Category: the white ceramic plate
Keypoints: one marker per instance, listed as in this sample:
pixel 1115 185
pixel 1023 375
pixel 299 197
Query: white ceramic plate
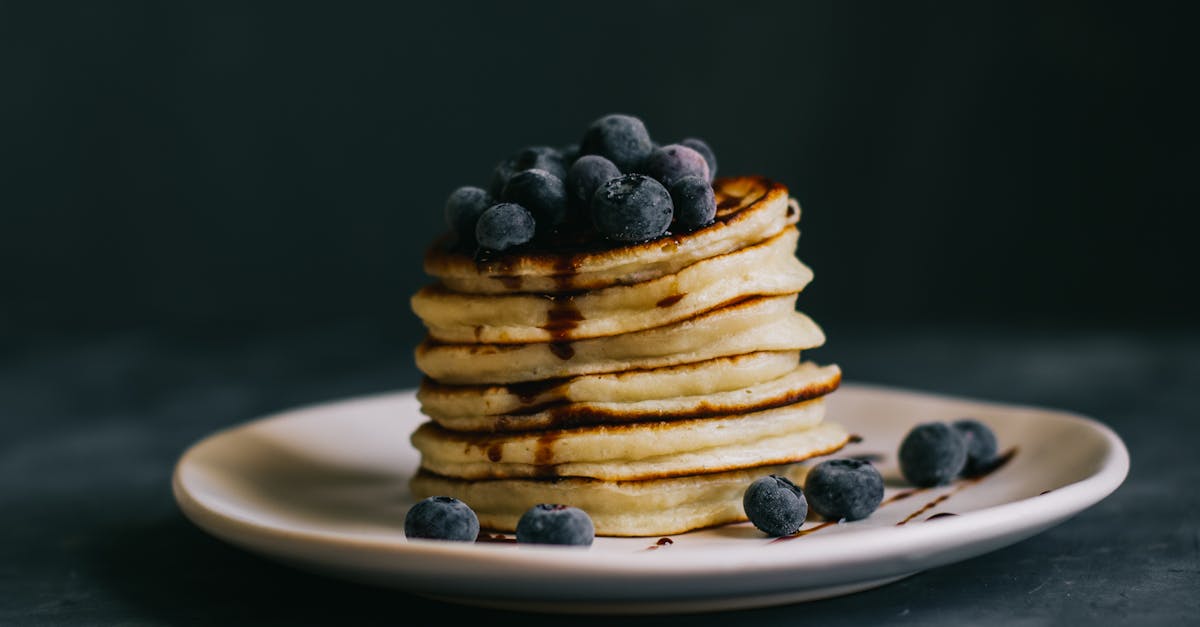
pixel 324 489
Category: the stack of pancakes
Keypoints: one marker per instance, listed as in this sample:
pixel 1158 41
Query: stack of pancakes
pixel 647 384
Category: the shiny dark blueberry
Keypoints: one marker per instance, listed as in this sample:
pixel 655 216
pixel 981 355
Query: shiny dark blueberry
pixel 555 524
pixel 844 489
pixel 701 147
pixel 672 162
pixel 504 226
pixel 542 193
pixel 586 174
pixel 775 505
pixel 622 139
pixel 532 157
pixel 632 208
pixel 441 518
pixel 462 210
pixel 932 454
pixel 695 203
pixel 981 446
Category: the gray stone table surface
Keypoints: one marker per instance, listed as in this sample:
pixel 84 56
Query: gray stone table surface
pixel 91 428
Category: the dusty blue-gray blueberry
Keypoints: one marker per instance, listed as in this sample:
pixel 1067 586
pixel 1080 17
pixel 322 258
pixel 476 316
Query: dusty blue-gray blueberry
pixel 631 208
pixel 844 489
pixel 441 518
pixel 622 139
pixel 775 505
pixel 981 445
pixel 462 210
pixel 504 226
pixel 695 203
pixel 710 157
pixel 552 523
pixel 669 163
pixel 587 174
pixel 541 192
pixel 932 454
pixel 545 158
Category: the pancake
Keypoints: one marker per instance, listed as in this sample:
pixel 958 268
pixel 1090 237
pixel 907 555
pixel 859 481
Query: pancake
pixel 655 507
pixel 767 268
pixel 805 381
pixel 758 324
pixel 706 377
pixel 634 451
pixel 749 210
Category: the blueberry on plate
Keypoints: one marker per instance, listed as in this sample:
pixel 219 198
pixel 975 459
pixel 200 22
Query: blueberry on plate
pixel 672 162
pixel 632 208
pixel 462 210
pixel 775 505
pixel 700 146
pixel 695 203
pixel 586 174
pixel 545 158
pixel 932 454
pixel 504 226
pixel 622 139
pixel 981 446
pixel 542 193
pixel 844 489
pixel 441 518
pixel 549 523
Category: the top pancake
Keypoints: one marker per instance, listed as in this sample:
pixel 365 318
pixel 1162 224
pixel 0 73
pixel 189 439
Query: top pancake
pixel 768 268
pixel 749 210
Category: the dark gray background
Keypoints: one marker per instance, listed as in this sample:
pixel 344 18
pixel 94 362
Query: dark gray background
pixel 213 211
pixel 196 166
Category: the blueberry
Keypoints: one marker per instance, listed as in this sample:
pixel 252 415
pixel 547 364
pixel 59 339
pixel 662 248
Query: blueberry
pixel 709 156
pixel 981 445
pixel 542 193
pixel 462 210
pixel 674 161
pixel 632 208
pixel 441 518
pixel 775 505
pixel 932 454
pixel 849 489
pixel 555 524
pixel 620 138
pixel 504 226
pixel 587 174
pixel 695 203
pixel 532 157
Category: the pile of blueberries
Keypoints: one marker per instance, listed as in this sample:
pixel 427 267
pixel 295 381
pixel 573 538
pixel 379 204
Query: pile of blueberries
pixel 616 183
pixel 931 454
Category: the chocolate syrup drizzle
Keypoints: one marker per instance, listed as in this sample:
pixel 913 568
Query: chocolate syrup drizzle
pixel 965 483
pixel 662 543
pixel 564 316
